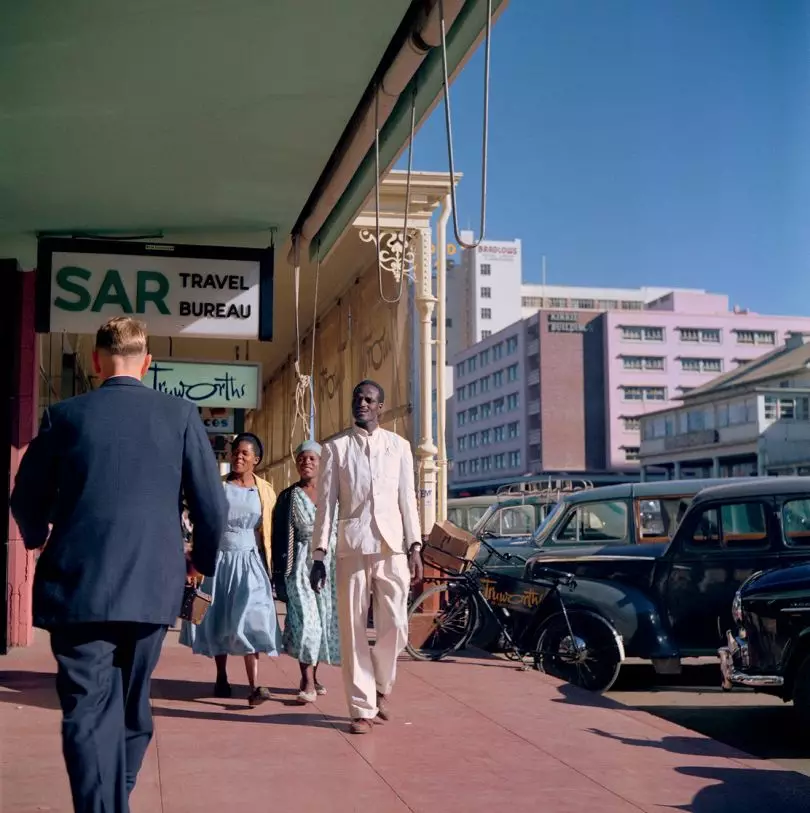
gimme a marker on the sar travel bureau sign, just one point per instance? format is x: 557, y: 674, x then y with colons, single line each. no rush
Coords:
x: 177, y: 290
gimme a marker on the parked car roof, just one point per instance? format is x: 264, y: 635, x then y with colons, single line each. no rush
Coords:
x: 657, y: 488
x: 755, y: 487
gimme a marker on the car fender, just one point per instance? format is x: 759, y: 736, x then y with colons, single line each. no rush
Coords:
x: 634, y: 615
x: 795, y: 652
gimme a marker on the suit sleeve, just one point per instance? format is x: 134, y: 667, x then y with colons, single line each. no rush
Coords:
x: 328, y: 492
x: 407, y: 497
x: 202, y: 488
x: 35, y: 487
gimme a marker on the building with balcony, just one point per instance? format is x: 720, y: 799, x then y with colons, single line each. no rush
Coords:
x: 752, y: 420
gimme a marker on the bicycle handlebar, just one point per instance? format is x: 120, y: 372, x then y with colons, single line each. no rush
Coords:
x: 557, y: 576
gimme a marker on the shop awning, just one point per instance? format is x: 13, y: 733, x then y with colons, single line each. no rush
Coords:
x: 198, y: 116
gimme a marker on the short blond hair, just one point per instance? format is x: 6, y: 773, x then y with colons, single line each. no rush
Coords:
x: 122, y: 336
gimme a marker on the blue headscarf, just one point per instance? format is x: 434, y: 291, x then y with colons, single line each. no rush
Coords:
x: 308, y: 446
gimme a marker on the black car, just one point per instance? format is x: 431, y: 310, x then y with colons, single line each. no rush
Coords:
x: 670, y: 602
x: 771, y: 651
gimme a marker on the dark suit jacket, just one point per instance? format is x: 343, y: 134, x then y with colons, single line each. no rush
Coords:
x: 109, y: 470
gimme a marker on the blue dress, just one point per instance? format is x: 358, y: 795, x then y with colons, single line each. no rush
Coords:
x: 242, y: 617
x: 311, y: 625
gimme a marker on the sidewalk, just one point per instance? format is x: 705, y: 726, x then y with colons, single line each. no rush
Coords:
x: 469, y: 735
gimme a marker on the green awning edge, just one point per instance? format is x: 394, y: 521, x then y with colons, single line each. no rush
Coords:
x: 467, y: 28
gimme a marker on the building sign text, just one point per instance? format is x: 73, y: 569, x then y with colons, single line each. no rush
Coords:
x: 208, y: 384
x: 175, y: 295
x: 565, y: 323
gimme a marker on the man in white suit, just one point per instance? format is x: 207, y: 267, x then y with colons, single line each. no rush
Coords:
x: 367, y: 477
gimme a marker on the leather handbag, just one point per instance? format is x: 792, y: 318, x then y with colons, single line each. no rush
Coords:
x: 195, y: 604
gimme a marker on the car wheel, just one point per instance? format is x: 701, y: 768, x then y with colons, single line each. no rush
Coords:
x: 582, y: 648
x: 801, y: 693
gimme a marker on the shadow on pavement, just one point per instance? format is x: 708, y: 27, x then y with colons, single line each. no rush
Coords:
x: 37, y: 689
x: 765, y: 731
x: 747, y: 790
x: 741, y: 790
x: 314, y: 719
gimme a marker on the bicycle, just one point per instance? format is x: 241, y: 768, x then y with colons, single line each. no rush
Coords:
x: 573, y: 644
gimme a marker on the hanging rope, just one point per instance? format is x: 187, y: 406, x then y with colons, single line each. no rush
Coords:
x: 304, y: 384
x: 383, y: 297
x: 449, y: 128
x: 312, y: 356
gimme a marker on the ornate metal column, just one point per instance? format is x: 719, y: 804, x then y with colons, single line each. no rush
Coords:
x: 426, y: 450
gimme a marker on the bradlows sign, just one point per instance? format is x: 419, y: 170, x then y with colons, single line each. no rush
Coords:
x: 178, y: 290
x: 208, y: 384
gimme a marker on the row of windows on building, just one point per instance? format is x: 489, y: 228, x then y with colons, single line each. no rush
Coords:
x: 483, y: 384
x: 733, y: 413
x: 488, y: 436
x: 689, y: 364
x: 582, y: 304
x: 688, y: 335
x: 479, y: 465
x: 483, y: 411
x: 487, y: 356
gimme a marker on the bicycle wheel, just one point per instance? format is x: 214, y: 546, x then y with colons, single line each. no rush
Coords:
x: 440, y: 621
x: 590, y: 658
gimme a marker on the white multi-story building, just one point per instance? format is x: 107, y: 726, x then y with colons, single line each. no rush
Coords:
x: 483, y: 292
x: 534, y: 297
x: 486, y: 293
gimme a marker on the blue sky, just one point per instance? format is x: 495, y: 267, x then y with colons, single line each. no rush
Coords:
x: 658, y: 142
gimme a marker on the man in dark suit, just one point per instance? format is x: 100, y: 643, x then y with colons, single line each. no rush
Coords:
x: 107, y: 473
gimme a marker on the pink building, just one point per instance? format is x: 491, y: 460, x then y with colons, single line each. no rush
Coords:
x: 679, y: 342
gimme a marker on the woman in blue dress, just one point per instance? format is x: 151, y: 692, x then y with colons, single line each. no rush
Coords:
x: 242, y: 617
x: 311, y: 627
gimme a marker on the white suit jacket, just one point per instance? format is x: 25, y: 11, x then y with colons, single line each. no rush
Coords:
x: 368, y: 479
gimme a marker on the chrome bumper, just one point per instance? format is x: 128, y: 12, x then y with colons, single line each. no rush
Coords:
x: 733, y: 662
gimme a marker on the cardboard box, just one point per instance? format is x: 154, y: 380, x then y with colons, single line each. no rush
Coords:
x: 450, y: 548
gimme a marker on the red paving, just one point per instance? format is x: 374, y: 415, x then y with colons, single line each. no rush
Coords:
x: 469, y: 735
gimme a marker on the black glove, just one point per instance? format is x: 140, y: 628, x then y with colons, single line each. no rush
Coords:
x: 317, y: 576
x: 280, y: 587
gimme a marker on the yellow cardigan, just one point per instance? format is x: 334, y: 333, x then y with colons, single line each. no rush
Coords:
x: 267, y: 497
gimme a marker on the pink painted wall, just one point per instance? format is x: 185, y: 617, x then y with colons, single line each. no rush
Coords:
x: 700, y: 311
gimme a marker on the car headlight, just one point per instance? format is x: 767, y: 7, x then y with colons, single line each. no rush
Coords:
x: 736, y: 608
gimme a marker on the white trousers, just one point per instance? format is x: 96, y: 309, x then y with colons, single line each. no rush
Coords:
x: 368, y: 670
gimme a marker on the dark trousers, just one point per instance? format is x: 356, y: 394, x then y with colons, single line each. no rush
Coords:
x: 103, y: 681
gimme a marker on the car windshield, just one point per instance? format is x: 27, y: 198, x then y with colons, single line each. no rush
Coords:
x: 508, y: 520
x: 550, y: 520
